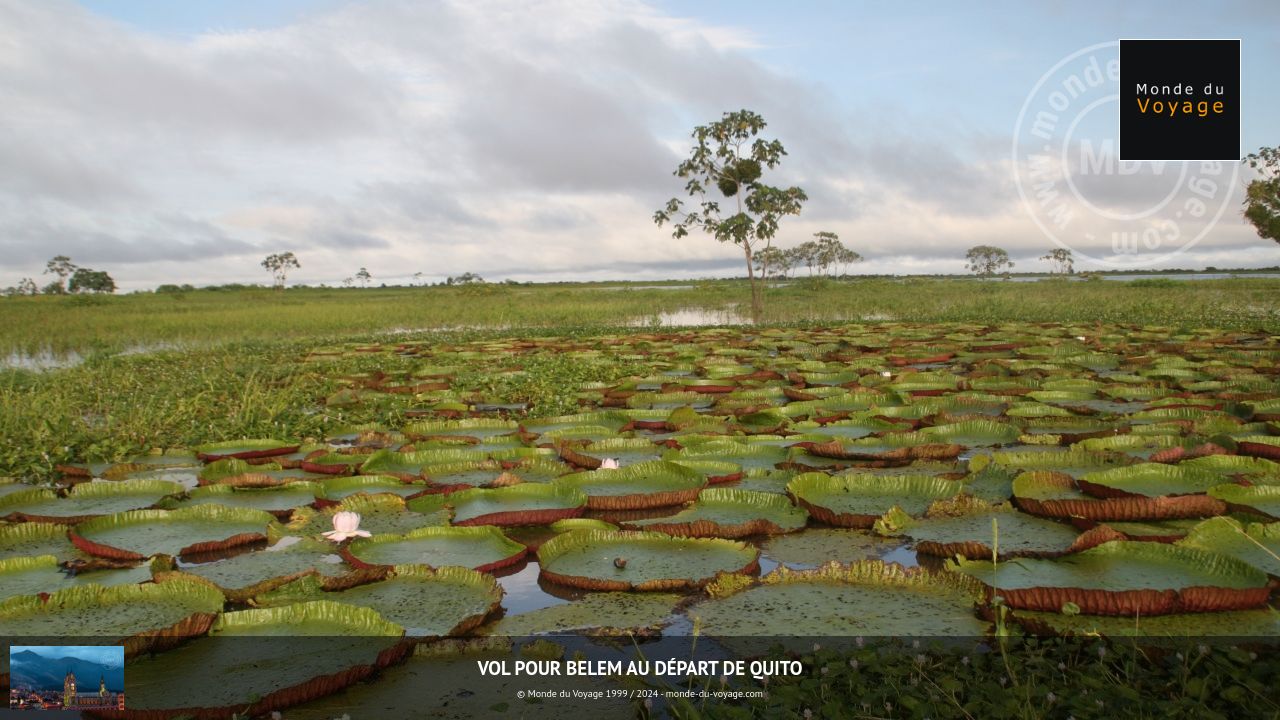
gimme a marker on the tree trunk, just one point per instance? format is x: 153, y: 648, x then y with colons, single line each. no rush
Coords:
x: 757, y: 302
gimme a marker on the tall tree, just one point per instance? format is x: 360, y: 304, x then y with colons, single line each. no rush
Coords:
x: 279, y: 265
x: 62, y: 267
x: 364, y: 277
x: 729, y: 156
x: 1262, y: 196
x: 987, y: 260
x: 94, y: 281
x: 1060, y: 260
x: 771, y: 258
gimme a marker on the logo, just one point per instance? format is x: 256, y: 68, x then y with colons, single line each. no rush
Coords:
x: 1067, y: 167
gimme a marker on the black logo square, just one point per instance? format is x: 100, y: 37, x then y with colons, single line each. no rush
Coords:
x: 1180, y: 100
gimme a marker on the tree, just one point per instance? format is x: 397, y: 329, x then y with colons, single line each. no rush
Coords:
x: 94, y: 281
x: 279, y: 265
x: 1262, y: 196
x: 467, y: 278
x: 418, y: 276
x: 730, y: 157
x: 1060, y: 260
x: 347, y: 281
x: 364, y: 277
x: 986, y: 260
x: 846, y: 257
x: 61, y: 266
x: 771, y: 258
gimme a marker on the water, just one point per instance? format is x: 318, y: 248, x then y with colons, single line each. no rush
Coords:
x: 1163, y: 276
x: 692, y: 317
x: 46, y: 359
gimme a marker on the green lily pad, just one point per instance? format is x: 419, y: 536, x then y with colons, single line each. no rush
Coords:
x: 380, y: 514
x: 1255, y: 543
x: 729, y: 513
x: 857, y: 500
x: 425, y: 601
x: 868, y: 598
x: 332, y: 645
x: 139, y: 534
x: 273, y: 499
x: 636, y: 487
x: 1149, y: 480
x: 974, y: 433
x: 88, y: 499
x: 338, y: 488
x: 819, y: 546
x: 1264, y: 499
x: 604, y: 614
x: 244, y: 575
x: 243, y: 449
x: 523, y: 504
x: 120, y: 611
x: 1125, y: 578
x: 482, y: 548
x: 31, y: 538
x: 1252, y: 624
x: 603, y: 560
x: 973, y: 531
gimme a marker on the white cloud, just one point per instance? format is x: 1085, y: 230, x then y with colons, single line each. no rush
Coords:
x: 518, y: 140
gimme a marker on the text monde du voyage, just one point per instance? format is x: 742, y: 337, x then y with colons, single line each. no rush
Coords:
x: 1180, y: 99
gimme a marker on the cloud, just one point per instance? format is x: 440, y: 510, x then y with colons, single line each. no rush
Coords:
x: 509, y: 139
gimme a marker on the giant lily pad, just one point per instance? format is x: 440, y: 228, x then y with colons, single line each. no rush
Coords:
x: 142, y: 616
x: 482, y: 548
x: 279, y: 500
x: 866, y: 598
x: 244, y: 449
x: 636, y: 487
x: 331, y: 646
x: 819, y: 546
x: 857, y: 500
x: 1252, y: 624
x: 425, y: 601
x: 617, y: 560
x: 604, y: 614
x: 1148, y: 480
x: 729, y: 513
x: 1255, y: 543
x: 523, y: 504
x: 138, y: 534
x: 1056, y: 495
x: 1125, y: 578
x: 86, y: 500
x: 340, y: 487
x: 30, y: 539
x: 972, y: 529
x: 379, y: 514
x: 244, y: 575
x: 1263, y: 499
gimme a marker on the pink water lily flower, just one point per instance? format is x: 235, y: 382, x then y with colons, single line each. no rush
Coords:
x: 609, y: 464
x: 346, y: 525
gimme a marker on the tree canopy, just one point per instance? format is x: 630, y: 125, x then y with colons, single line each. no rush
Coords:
x: 729, y: 156
x: 987, y: 260
x: 1262, y: 196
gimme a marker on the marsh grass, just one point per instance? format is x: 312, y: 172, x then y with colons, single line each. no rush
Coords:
x: 32, y: 325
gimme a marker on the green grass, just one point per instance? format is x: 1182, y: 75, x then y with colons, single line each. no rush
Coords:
x: 60, y: 325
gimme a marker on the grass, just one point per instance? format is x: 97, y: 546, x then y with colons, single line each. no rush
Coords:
x: 86, y: 325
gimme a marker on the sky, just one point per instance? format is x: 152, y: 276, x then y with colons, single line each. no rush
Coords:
x: 110, y: 655
x: 182, y: 142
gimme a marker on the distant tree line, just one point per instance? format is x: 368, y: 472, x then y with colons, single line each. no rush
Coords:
x: 69, y: 278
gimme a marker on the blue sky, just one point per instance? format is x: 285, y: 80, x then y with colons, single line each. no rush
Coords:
x: 183, y: 141
x: 110, y: 655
